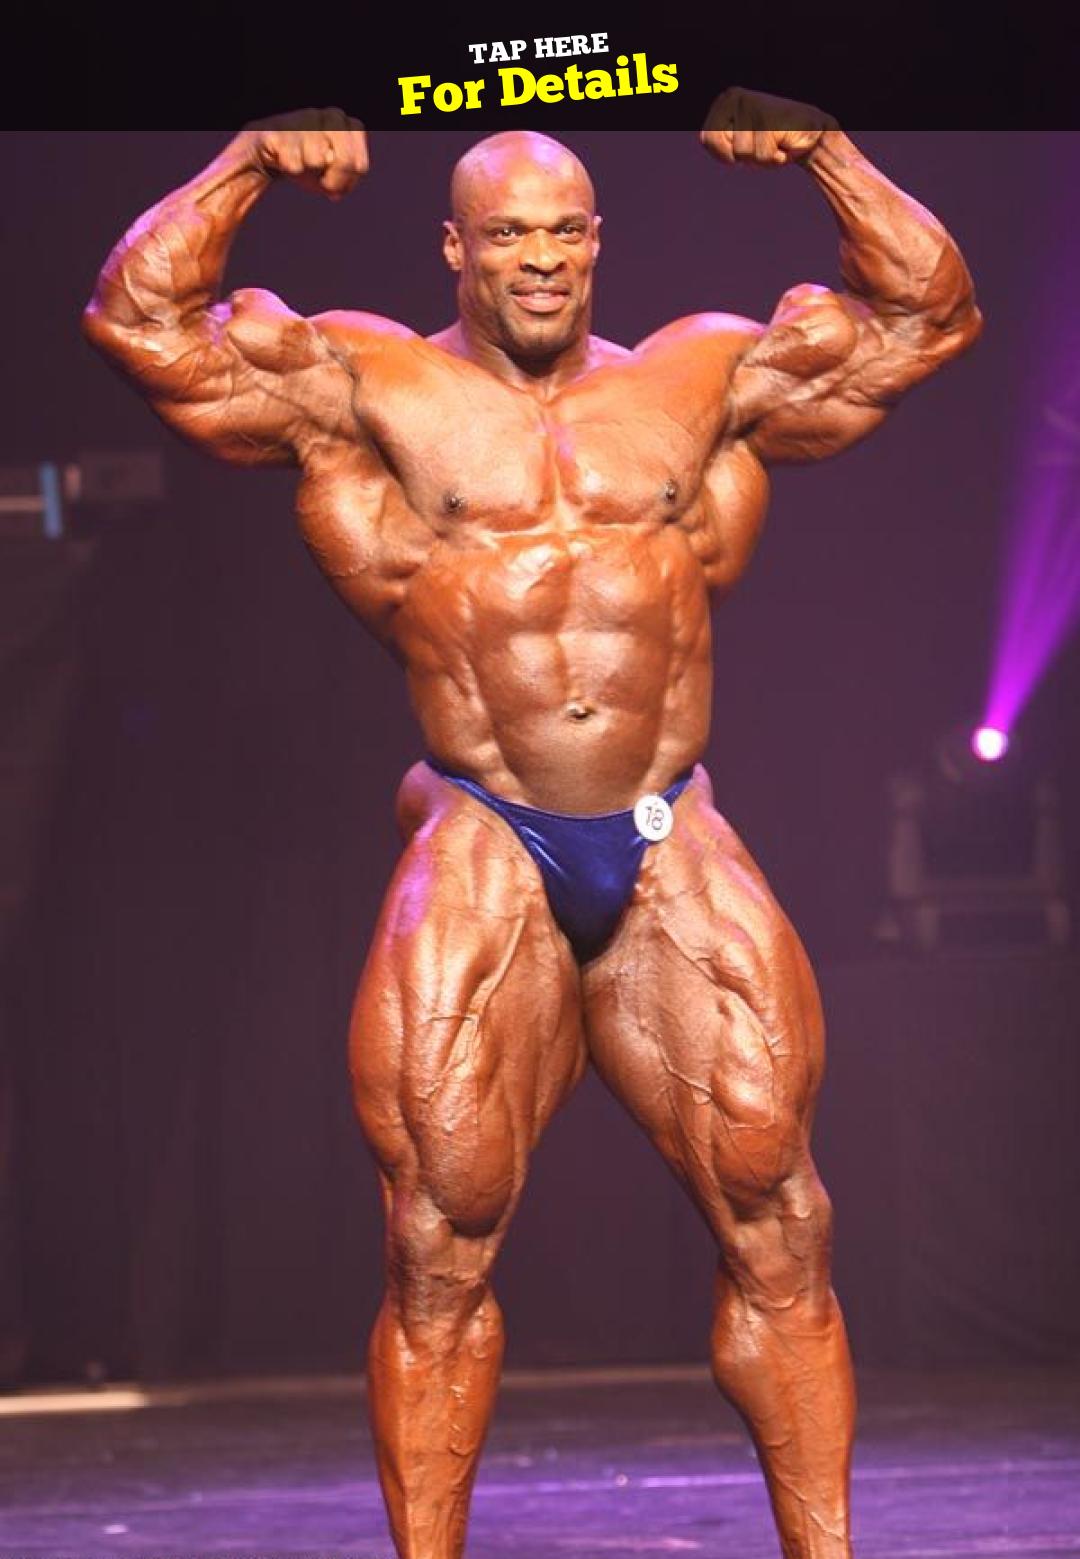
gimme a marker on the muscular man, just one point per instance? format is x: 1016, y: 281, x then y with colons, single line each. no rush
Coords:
x: 532, y: 520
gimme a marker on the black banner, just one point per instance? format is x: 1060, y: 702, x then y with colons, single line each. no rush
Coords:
x: 588, y: 67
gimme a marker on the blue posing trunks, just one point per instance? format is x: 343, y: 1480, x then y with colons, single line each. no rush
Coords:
x: 589, y: 864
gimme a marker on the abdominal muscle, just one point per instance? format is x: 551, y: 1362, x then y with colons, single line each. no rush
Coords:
x: 569, y: 671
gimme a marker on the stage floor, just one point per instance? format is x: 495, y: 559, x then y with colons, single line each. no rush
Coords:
x: 596, y: 1465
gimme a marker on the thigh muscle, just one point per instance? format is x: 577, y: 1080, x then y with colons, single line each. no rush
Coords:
x: 466, y: 1029
x: 703, y: 1015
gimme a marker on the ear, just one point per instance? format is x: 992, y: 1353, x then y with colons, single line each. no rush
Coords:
x: 452, y: 246
x: 596, y: 223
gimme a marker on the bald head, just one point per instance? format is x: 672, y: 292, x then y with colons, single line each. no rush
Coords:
x: 523, y: 240
x: 500, y: 162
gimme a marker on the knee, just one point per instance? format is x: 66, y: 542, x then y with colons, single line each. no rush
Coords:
x: 776, y: 1250
x: 438, y: 1273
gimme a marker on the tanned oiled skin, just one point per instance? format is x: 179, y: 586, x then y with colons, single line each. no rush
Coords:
x: 532, y: 520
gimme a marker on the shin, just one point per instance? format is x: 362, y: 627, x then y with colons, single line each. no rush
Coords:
x: 780, y: 1355
x: 433, y: 1371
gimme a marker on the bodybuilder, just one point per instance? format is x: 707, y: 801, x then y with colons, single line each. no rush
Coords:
x: 532, y: 520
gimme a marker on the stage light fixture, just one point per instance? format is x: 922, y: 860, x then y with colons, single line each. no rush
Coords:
x: 975, y: 859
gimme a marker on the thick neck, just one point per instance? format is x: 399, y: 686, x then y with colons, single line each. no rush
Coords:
x: 541, y: 376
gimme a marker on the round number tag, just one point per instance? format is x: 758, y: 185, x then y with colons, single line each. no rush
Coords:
x: 653, y: 818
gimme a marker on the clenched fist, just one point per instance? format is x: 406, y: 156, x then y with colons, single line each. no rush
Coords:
x: 321, y: 149
x: 755, y: 127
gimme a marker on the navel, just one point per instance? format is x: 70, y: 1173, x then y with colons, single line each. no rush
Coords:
x: 454, y: 503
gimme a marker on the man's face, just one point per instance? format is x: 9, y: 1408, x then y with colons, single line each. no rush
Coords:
x: 524, y: 244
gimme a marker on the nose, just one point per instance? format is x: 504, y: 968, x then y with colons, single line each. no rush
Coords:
x: 540, y: 252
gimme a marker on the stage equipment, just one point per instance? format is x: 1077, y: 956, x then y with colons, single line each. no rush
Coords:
x: 975, y: 858
x: 50, y: 500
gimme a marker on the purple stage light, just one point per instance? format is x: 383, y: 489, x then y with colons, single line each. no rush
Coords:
x: 989, y: 744
x: 1040, y: 595
x: 1040, y: 603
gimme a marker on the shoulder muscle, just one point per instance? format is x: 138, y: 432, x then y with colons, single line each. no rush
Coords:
x: 720, y: 335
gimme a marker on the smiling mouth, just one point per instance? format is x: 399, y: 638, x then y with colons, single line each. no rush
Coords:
x: 540, y: 300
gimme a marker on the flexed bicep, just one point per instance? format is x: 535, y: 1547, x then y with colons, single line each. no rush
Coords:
x: 820, y: 376
x: 246, y: 380
x: 827, y: 369
x: 242, y: 377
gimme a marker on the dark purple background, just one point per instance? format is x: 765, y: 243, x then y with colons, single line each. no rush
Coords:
x: 195, y: 1196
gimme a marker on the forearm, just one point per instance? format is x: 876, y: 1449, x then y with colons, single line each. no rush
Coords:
x: 894, y: 254
x: 170, y: 264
